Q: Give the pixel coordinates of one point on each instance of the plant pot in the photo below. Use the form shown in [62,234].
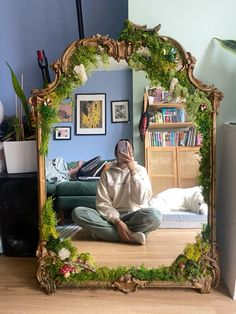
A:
[20,156]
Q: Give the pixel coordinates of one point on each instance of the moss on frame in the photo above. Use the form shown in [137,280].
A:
[162,59]
[68,265]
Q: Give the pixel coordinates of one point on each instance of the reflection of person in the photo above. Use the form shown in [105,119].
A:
[122,212]
[73,171]
[57,171]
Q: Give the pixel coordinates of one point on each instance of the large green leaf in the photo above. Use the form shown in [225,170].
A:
[228,44]
[20,93]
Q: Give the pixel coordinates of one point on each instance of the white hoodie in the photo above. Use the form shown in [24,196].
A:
[118,191]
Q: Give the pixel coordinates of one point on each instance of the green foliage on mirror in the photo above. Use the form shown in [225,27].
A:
[48,221]
[200,111]
[82,62]
[158,58]
[152,54]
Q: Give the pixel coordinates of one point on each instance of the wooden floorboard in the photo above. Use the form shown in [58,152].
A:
[162,247]
[20,294]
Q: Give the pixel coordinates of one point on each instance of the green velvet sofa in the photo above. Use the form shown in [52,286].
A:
[70,194]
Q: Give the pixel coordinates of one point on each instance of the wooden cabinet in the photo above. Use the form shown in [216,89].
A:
[168,164]
[170,167]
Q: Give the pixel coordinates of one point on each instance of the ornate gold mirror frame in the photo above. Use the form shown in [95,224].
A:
[197,266]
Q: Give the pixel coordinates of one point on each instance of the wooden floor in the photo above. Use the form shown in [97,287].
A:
[162,247]
[20,294]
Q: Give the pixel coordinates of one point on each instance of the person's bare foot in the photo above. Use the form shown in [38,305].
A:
[74,171]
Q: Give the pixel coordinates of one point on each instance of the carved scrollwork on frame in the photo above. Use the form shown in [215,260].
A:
[44,259]
[127,283]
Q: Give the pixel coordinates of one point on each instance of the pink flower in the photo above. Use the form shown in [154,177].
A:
[181,265]
[66,270]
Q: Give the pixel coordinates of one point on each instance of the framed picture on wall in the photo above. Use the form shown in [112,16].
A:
[120,111]
[65,112]
[62,133]
[90,114]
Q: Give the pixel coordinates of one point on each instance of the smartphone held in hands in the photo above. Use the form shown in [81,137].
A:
[123,147]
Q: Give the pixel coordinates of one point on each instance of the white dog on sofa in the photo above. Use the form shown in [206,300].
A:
[189,199]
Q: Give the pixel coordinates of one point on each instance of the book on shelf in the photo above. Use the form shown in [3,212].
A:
[169,115]
[199,139]
[189,137]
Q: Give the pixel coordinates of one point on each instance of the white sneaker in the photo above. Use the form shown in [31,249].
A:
[139,237]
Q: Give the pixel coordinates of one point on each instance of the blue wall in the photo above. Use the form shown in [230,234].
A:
[27,26]
[117,85]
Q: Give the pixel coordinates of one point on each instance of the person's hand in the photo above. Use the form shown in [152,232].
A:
[128,159]
[124,232]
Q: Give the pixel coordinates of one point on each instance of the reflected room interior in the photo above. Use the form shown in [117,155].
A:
[179,225]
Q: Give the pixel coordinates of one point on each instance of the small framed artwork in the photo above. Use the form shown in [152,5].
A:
[65,112]
[62,133]
[90,114]
[120,111]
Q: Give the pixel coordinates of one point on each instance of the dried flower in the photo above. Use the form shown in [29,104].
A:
[64,254]
[47,102]
[203,107]
[80,71]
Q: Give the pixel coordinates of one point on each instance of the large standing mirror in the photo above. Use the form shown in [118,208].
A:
[173,256]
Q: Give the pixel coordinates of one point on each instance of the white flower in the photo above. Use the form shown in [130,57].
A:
[81,72]
[173,83]
[144,51]
[63,253]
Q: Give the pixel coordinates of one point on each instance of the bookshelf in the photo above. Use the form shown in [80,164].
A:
[171,148]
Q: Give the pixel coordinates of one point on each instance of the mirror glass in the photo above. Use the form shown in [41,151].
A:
[178,227]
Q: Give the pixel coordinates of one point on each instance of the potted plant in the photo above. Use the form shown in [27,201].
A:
[19,142]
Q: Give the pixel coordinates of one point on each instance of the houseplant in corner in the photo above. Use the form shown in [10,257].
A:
[19,142]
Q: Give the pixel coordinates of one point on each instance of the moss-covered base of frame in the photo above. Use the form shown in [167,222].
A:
[61,263]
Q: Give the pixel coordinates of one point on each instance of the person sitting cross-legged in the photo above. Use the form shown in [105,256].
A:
[122,213]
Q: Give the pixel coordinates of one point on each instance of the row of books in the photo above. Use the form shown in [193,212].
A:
[188,137]
[168,115]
